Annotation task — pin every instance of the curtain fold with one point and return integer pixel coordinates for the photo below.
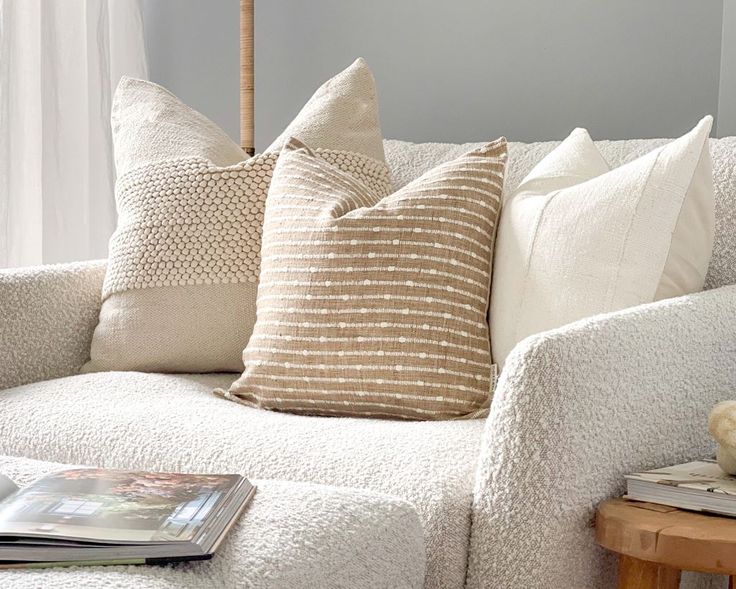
(59, 65)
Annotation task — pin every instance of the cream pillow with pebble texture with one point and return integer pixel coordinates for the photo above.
(374, 304)
(577, 239)
(180, 289)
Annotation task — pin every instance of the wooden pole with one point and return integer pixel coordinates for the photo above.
(247, 63)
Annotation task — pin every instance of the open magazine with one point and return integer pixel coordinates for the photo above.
(89, 516)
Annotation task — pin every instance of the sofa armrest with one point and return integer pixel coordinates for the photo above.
(577, 408)
(47, 317)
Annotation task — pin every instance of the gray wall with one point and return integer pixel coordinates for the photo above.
(193, 49)
(464, 70)
(727, 95)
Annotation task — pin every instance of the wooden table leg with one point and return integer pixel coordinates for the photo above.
(640, 574)
(732, 582)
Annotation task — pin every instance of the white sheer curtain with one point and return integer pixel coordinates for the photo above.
(60, 61)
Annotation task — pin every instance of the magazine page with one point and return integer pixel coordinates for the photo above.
(114, 506)
(7, 487)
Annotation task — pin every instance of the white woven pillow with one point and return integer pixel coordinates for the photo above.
(577, 238)
(180, 289)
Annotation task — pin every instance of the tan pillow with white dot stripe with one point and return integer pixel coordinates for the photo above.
(180, 288)
(372, 304)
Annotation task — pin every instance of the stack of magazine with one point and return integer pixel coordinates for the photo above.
(698, 486)
(87, 516)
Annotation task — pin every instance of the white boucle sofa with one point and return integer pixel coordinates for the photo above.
(505, 502)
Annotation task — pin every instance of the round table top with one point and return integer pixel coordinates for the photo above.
(685, 540)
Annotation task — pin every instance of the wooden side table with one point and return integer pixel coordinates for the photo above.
(656, 543)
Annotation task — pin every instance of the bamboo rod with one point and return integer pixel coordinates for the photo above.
(247, 137)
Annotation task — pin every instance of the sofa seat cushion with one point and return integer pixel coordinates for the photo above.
(174, 422)
(291, 535)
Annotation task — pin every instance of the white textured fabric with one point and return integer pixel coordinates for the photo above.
(576, 239)
(165, 422)
(691, 242)
(59, 64)
(578, 407)
(556, 443)
(353, 116)
(47, 315)
(410, 160)
(150, 125)
(215, 213)
(180, 288)
(290, 535)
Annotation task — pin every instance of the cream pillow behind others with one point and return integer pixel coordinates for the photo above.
(577, 239)
(180, 289)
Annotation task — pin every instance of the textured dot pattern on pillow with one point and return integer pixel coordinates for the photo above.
(180, 289)
(203, 225)
(375, 305)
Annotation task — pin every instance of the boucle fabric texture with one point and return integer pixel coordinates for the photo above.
(635, 393)
(179, 292)
(174, 422)
(372, 304)
(47, 314)
(290, 535)
(410, 160)
(577, 239)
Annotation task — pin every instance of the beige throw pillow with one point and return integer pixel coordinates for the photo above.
(577, 239)
(180, 289)
(372, 304)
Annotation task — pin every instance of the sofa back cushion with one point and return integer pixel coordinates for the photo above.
(409, 160)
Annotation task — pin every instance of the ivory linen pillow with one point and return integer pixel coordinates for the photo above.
(372, 304)
(180, 289)
(577, 238)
